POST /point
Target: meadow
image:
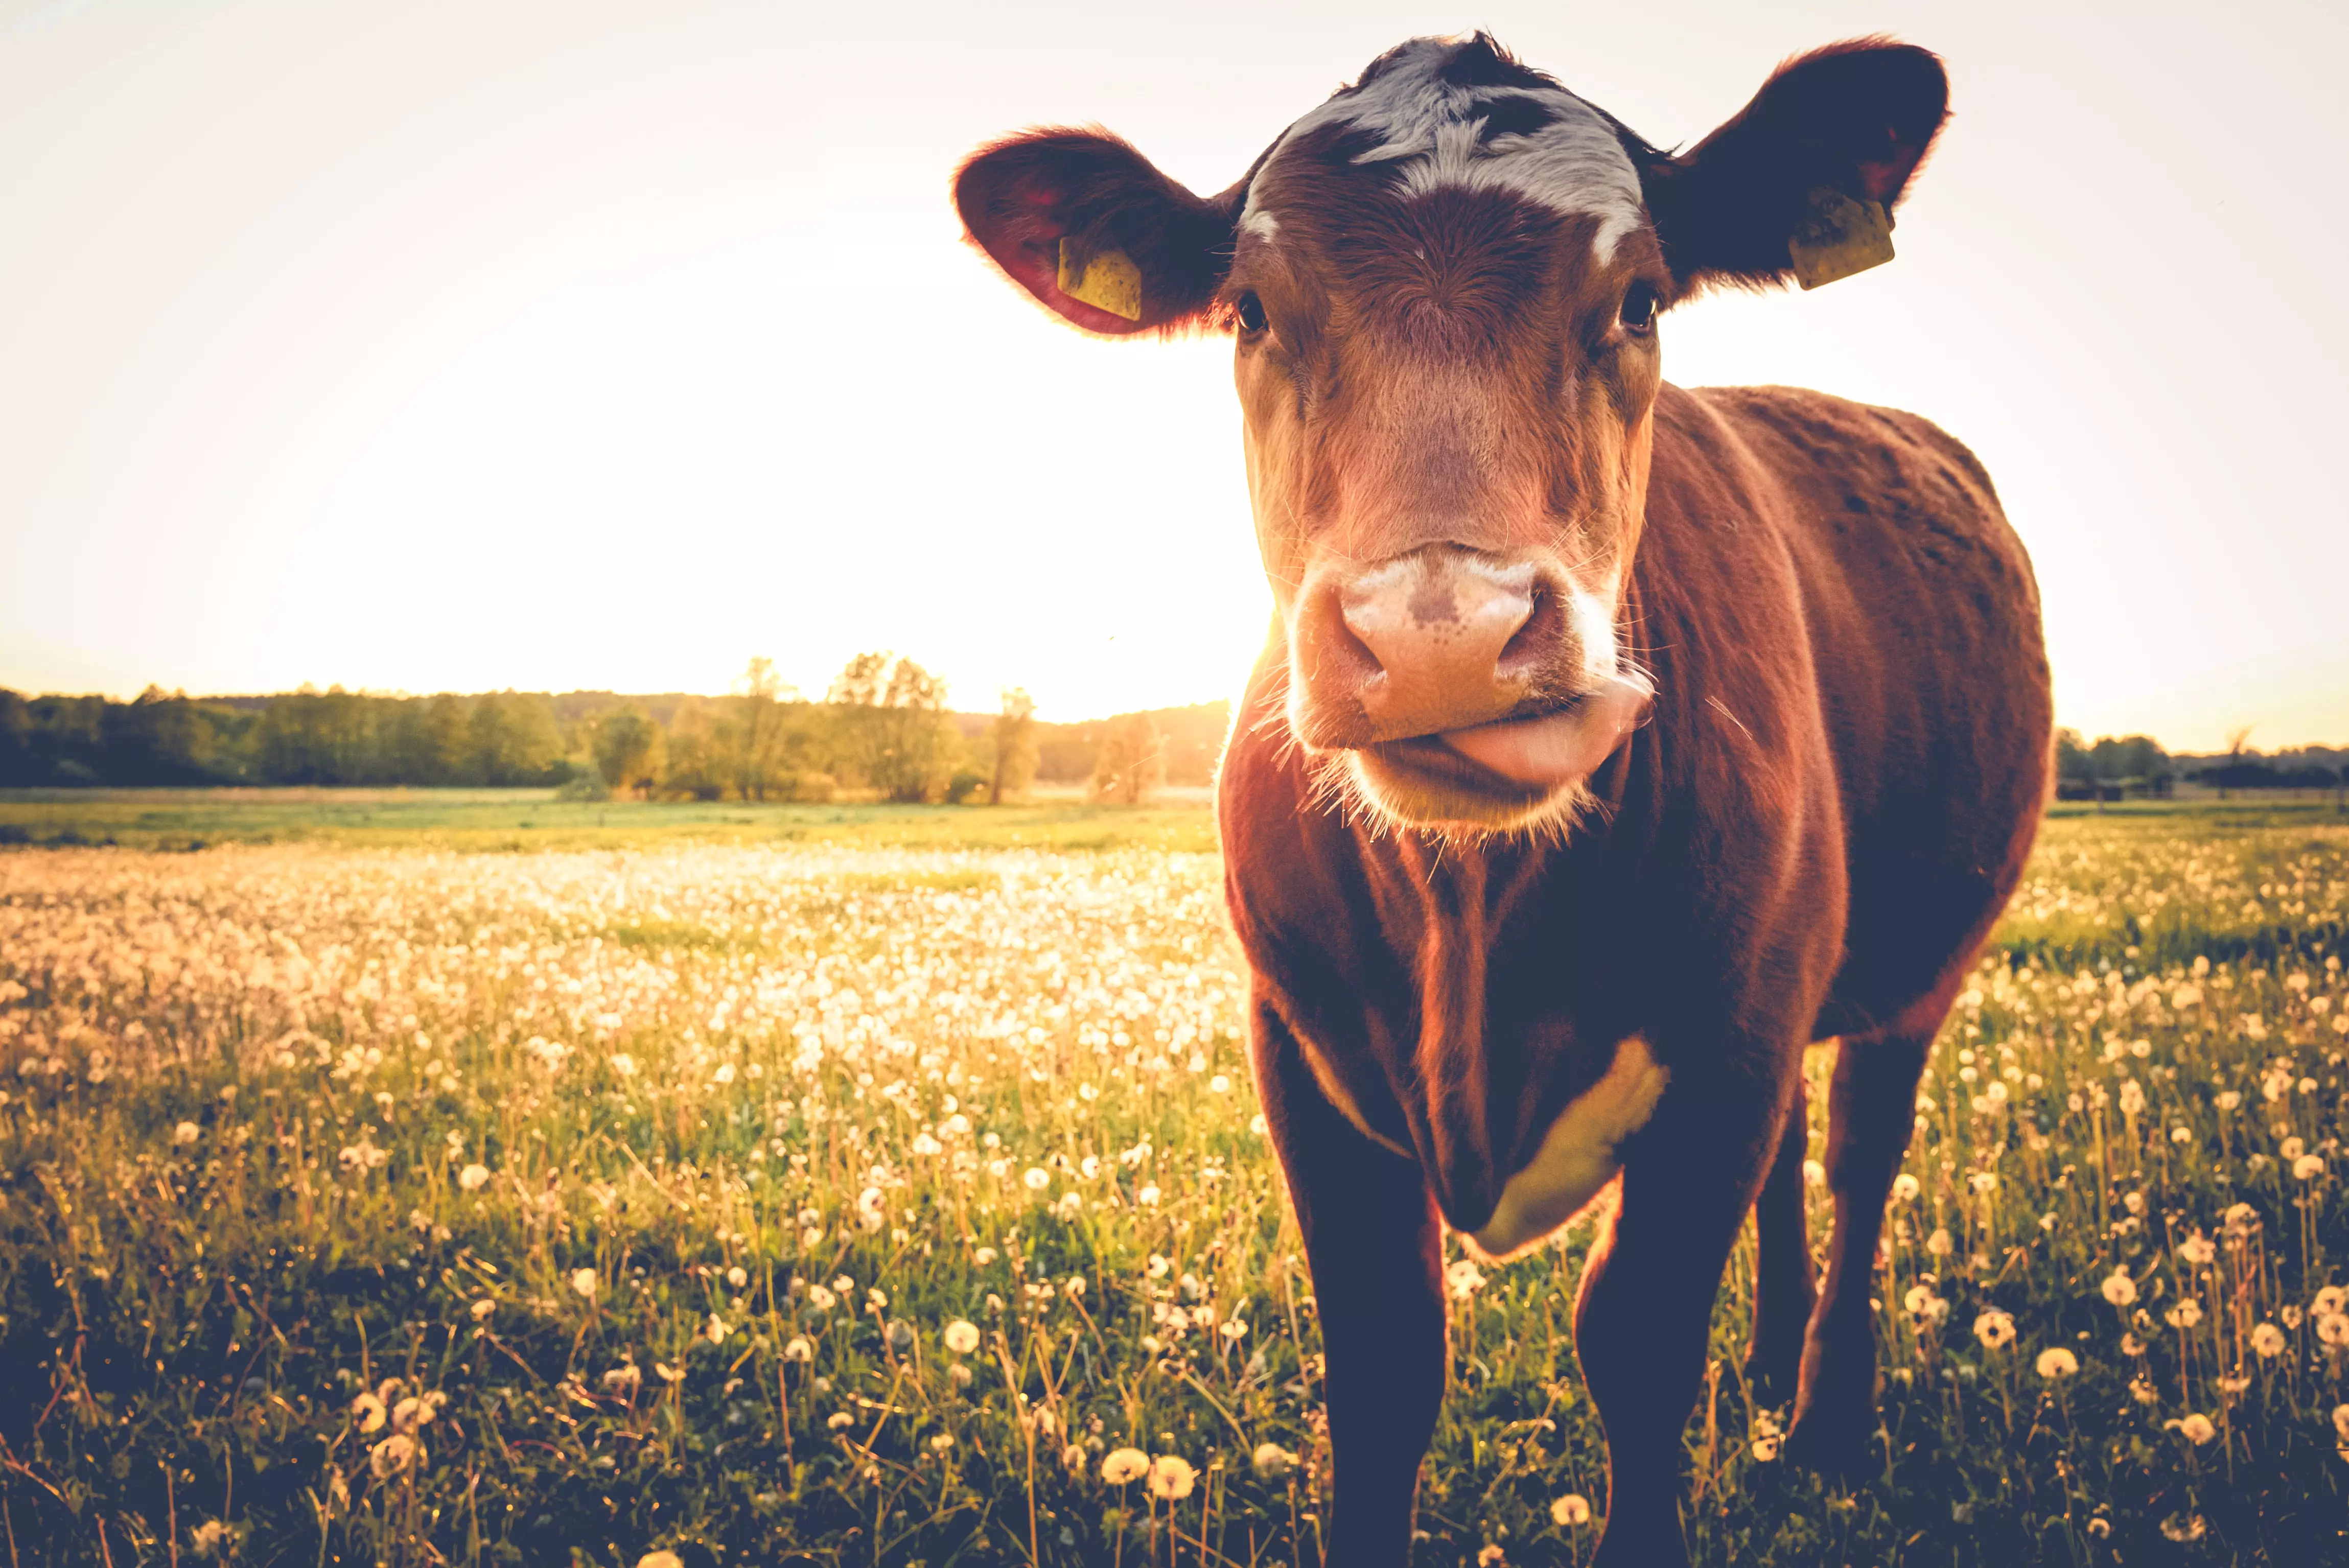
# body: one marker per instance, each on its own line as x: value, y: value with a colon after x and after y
x: 440, y: 1181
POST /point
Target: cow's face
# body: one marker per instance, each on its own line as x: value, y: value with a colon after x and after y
x: 1443, y: 284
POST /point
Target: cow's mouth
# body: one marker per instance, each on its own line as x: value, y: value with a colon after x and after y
x: 1509, y: 772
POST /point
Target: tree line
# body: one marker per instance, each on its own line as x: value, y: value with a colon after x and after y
x: 2112, y: 767
x: 884, y: 728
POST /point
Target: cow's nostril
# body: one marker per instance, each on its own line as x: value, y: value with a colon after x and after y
x: 1533, y: 644
x: 1333, y: 649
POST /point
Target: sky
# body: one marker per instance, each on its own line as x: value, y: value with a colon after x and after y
x: 421, y: 346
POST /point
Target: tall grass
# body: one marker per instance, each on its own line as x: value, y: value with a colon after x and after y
x: 844, y: 1203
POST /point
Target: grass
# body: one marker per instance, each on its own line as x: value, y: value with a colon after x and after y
x: 849, y: 1185
x: 518, y: 819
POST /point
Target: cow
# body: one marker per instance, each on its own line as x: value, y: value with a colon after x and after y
x: 1613, y: 742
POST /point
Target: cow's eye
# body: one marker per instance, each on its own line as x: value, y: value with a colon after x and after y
x: 1250, y: 309
x: 1639, y: 313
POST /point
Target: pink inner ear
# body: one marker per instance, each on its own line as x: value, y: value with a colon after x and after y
x: 1028, y: 246
x: 1885, y: 178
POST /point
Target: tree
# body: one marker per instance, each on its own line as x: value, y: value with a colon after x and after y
x: 1014, y: 735
x: 626, y: 748
x: 1132, y: 761
x: 2236, y: 739
x: 2072, y: 764
x: 762, y: 733
x: 2134, y: 756
x: 894, y: 728
x: 699, y: 748
x: 512, y: 739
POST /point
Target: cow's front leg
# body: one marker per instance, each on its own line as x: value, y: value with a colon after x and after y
x: 1376, y: 1252
x: 1645, y: 1311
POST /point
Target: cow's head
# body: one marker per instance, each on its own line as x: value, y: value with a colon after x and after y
x: 1445, y: 283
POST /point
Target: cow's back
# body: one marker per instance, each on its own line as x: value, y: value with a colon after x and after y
x: 1923, y: 626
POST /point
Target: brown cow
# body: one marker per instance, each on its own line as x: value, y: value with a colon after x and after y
x: 1614, y: 742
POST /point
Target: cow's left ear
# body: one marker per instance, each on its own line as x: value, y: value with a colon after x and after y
x: 1801, y: 184
x: 1084, y: 223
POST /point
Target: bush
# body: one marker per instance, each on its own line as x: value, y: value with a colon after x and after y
x: 811, y: 787
x: 583, y: 784
x: 963, y: 786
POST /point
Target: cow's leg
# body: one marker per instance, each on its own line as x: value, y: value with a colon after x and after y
x: 1645, y: 1312
x: 1871, y: 1109
x: 1377, y: 1254
x: 1784, y: 1291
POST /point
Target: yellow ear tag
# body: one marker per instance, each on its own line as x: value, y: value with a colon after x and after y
x: 1109, y: 280
x: 1838, y: 237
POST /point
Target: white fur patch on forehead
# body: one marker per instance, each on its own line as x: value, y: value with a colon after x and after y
x: 1435, y: 132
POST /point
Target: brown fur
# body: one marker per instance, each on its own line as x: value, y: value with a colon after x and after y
x: 1832, y: 801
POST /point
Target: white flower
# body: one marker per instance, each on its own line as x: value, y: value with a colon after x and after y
x: 2308, y: 1167
x: 2267, y: 1341
x: 1037, y: 1179
x: 1464, y: 1279
x: 394, y: 1455
x: 187, y: 1132
x: 1271, y: 1462
x: 961, y: 1336
x: 716, y: 1330
x: 738, y: 1276
x: 1121, y: 1466
x: 1905, y: 1189
x: 2118, y: 1288
x: 624, y: 1065
x: 473, y: 1178
x: 800, y: 1348
x: 2195, y: 1428
x: 1994, y: 1328
x: 1170, y: 1478
x: 1572, y: 1510
x: 2057, y: 1363
x: 584, y: 1282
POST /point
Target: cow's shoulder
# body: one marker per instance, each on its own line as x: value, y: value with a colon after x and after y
x: 1819, y: 456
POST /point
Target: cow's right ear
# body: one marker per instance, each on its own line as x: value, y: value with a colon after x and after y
x: 1082, y: 221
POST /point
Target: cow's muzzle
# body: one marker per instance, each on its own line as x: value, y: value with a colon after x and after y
x: 1455, y: 675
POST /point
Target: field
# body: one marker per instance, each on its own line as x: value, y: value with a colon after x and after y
x: 848, y: 1185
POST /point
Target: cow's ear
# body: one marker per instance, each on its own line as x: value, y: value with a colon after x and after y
x: 1802, y: 183
x: 1082, y: 221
